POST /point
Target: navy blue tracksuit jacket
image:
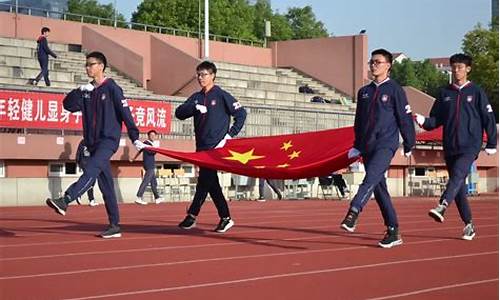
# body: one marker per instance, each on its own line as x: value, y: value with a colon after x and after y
x: 43, y: 51
x: 464, y: 114
x: 382, y: 112
x: 103, y: 112
x: 211, y: 127
x: 148, y: 157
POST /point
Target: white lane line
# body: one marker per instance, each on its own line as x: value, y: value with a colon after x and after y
x: 217, y: 259
x: 284, y: 275
x: 438, y: 288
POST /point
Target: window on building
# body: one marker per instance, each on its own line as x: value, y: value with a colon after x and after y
x: 2, y: 168
x: 63, y: 169
x: 419, y: 171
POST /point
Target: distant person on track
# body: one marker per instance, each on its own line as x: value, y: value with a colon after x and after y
x: 149, y: 178
x: 462, y: 108
x: 43, y: 51
x: 211, y: 110
x: 382, y: 113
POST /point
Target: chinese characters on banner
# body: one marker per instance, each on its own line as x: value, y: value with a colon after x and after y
x: 45, y: 111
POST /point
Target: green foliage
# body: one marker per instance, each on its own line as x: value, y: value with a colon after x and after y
x: 420, y: 75
x: 304, y: 24
x: 235, y: 18
x: 482, y: 45
x: 93, y: 8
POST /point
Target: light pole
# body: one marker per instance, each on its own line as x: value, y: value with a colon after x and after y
x: 114, y: 6
x: 207, y: 51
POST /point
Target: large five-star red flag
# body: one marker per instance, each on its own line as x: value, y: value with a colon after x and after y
x: 291, y: 156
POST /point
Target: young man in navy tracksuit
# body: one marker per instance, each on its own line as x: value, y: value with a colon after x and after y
x: 463, y: 110
x: 104, y: 109
x: 148, y: 163
x: 211, y: 109
x: 43, y: 51
x: 382, y: 112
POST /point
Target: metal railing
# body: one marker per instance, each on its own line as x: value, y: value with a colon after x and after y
x: 12, y: 8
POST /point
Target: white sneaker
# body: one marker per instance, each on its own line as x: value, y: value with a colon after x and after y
x: 159, y: 200
x: 140, y: 201
x: 93, y: 203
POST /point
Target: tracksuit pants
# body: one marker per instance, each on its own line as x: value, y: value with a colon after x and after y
x: 376, y: 164
x: 458, y: 168
x: 98, y: 167
x: 208, y: 183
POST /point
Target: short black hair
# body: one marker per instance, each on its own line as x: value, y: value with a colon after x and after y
x: 152, y: 131
x: 461, y: 58
x: 99, y: 56
x: 45, y: 29
x: 207, y: 65
x: 386, y: 54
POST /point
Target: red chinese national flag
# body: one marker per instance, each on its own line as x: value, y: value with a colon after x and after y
x: 289, y: 156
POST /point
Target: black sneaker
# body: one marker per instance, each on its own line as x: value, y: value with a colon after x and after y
x: 59, y: 205
x: 391, y: 238
x: 349, y: 222
x: 112, y: 231
x: 280, y: 196
x: 469, y: 232
x: 78, y: 200
x: 438, y: 213
x: 224, y: 225
x: 188, y: 222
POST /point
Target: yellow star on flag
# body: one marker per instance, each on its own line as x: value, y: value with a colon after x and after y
x: 243, y: 158
x: 294, y: 154
x: 283, y: 166
x: 286, y: 145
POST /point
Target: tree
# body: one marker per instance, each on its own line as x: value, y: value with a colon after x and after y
x: 482, y: 45
x: 235, y: 18
x: 92, y: 8
x: 304, y: 24
x: 420, y: 75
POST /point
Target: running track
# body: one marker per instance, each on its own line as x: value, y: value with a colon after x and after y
x: 277, y: 250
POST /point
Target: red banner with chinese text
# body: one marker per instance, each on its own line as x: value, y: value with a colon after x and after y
x: 45, y: 111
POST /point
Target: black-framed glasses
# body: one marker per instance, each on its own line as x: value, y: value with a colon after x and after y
x: 376, y: 62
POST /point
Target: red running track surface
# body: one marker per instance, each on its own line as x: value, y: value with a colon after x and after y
x: 277, y: 250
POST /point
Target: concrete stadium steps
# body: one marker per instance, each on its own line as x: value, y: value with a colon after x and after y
x: 271, y: 83
x: 31, y: 44
x: 18, y: 64
x: 324, y: 107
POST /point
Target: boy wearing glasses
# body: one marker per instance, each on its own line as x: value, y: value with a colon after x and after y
x: 463, y: 110
x: 104, y: 109
x: 382, y: 112
x: 211, y: 109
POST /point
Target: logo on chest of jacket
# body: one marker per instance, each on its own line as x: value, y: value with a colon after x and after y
x: 447, y: 98
x: 469, y: 98
x: 103, y: 97
x: 213, y: 102
x: 384, y: 98
x: 365, y: 96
